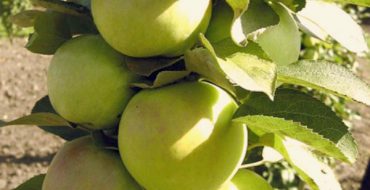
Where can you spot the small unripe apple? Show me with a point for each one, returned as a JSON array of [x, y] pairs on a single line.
[[88, 82], [142, 28], [180, 137], [247, 180], [81, 165]]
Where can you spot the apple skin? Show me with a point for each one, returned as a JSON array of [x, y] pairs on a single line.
[[143, 28], [180, 137], [247, 180], [88, 82], [81, 165]]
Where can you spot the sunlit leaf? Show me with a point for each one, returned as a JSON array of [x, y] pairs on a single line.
[[238, 5], [241, 69], [258, 16], [308, 112], [250, 72], [328, 77], [282, 42], [262, 125], [203, 62], [309, 168], [220, 25], [356, 2], [320, 18], [227, 47], [294, 5]]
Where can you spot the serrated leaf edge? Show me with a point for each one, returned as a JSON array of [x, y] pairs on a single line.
[[344, 157]]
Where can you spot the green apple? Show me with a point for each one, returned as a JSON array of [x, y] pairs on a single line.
[[220, 25], [180, 137], [247, 180], [88, 82], [81, 165], [142, 28]]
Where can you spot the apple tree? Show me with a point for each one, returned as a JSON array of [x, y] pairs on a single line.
[[178, 94]]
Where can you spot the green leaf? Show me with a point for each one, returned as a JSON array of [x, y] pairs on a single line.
[[294, 5], [52, 29], [203, 62], [309, 168], [147, 66], [164, 78], [25, 18], [262, 125], [67, 133], [227, 47], [243, 67], [41, 119], [321, 19], [219, 27], [250, 72], [43, 44], [239, 6], [328, 77], [50, 33], [311, 115], [258, 16], [356, 2], [281, 42], [245, 70], [35, 183], [70, 8]]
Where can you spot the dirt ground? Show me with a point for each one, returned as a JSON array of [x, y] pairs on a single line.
[[351, 176], [26, 151]]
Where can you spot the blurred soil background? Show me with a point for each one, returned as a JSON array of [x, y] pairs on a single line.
[[26, 151], [351, 176]]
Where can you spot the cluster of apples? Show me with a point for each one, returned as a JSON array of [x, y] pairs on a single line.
[[177, 137]]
